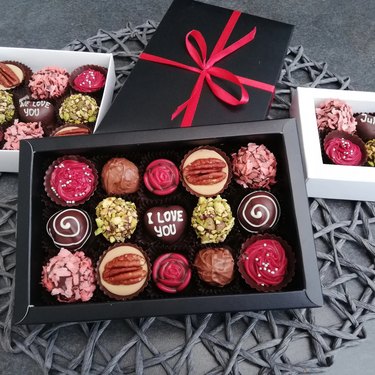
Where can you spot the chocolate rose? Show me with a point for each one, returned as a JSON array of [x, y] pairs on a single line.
[[171, 272], [161, 177]]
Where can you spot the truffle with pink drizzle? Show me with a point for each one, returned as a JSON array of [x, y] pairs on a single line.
[[263, 262], [343, 151], [171, 272], [70, 181]]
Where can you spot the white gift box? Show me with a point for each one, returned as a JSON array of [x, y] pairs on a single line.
[[328, 180], [37, 59]]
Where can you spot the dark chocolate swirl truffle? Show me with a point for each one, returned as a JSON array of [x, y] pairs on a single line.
[[69, 228], [258, 211]]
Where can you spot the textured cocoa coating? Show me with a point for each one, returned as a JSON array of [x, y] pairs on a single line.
[[166, 223], [258, 211], [366, 126], [215, 266], [124, 290], [69, 228], [36, 111], [120, 176]]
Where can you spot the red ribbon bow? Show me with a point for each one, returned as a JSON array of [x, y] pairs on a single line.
[[206, 69]]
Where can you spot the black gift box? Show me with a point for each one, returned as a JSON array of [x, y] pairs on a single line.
[[153, 91], [34, 248]]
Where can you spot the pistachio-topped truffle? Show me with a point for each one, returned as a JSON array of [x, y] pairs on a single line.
[[212, 219], [116, 219], [6, 107], [79, 109], [370, 148]]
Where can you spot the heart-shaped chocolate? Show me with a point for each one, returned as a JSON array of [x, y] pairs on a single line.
[[166, 223], [36, 111]]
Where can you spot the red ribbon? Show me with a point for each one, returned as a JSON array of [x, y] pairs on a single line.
[[207, 69]]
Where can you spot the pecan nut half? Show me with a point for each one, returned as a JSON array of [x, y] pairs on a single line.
[[7, 77], [205, 171], [125, 269]]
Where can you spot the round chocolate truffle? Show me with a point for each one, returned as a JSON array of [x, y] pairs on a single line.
[[116, 219], [205, 171], [123, 271], [266, 262], [70, 130], [70, 180], [366, 126], [215, 266], [69, 276], [120, 176], [161, 177], [370, 148], [166, 223], [212, 219], [88, 79], [7, 108], [11, 75], [171, 272], [79, 109], [254, 166], [69, 228], [258, 211]]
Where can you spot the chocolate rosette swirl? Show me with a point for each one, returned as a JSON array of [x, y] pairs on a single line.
[[161, 177], [171, 272]]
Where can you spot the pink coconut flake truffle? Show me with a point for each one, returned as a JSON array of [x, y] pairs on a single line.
[[49, 83], [21, 130], [69, 276], [335, 115], [254, 166]]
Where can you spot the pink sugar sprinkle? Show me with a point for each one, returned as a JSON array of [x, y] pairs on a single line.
[[335, 114], [69, 276], [21, 130], [47, 83]]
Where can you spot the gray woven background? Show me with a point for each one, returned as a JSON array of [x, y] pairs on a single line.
[[238, 343]]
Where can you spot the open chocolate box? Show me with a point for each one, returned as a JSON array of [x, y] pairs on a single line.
[[35, 305]]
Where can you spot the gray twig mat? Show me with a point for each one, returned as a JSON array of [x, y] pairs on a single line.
[[290, 341]]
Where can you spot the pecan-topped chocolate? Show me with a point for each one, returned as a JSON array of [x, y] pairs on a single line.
[[205, 171], [10, 76]]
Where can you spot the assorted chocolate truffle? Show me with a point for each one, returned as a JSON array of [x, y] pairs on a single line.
[[88, 79], [335, 115], [161, 177], [123, 271], [79, 109], [19, 131], [370, 148], [116, 219], [11, 75], [49, 83], [171, 272], [71, 180], [264, 263], [166, 223], [205, 171], [71, 129], [69, 276], [41, 111], [345, 149], [258, 211], [7, 108], [212, 219], [366, 126], [215, 266], [120, 176], [69, 228], [254, 166]]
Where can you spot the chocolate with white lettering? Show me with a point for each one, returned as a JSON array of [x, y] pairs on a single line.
[[166, 223], [366, 126]]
